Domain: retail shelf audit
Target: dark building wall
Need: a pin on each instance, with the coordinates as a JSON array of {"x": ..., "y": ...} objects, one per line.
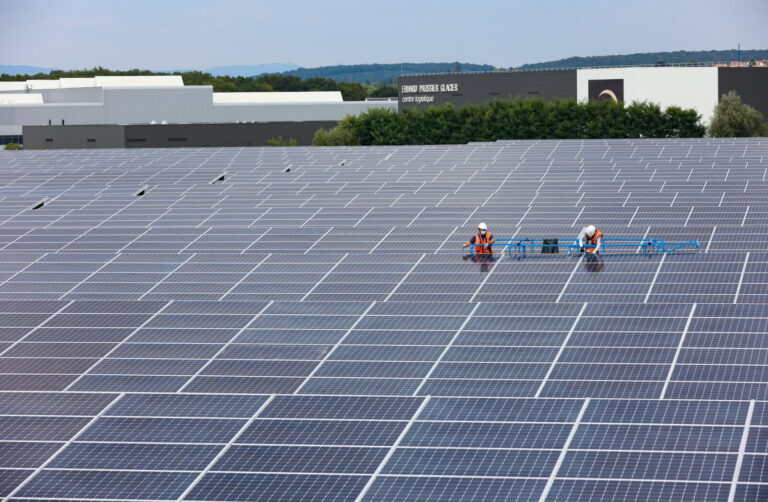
[
  {"x": 750, "y": 83},
  {"x": 169, "y": 135},
  {"x": 73, "y": 136},
  {"x": 177, "y": 135},
  {"x": 18, "y": 139},
  {"x": 461, "y": 89}
]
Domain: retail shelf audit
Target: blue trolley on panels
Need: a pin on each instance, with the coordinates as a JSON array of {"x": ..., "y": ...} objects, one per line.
[{"x": 643, "y": 246}]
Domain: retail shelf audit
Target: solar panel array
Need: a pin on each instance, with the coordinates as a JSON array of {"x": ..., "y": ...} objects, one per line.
[{"x": 252, "y": 324}]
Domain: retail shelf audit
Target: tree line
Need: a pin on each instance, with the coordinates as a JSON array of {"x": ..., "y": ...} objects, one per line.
[
  {"x": 350, "y": 91},
  {"x": 531, "y": 118},
  {"x": 649, "y": 58},
  {"x": 383, "y": 73}
]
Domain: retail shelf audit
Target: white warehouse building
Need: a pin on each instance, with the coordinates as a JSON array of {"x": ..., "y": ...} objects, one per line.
[{"x": 160, "y": 99}]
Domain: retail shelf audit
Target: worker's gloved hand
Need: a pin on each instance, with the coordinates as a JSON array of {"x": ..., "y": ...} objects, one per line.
[{"x": 581, "y": 250}]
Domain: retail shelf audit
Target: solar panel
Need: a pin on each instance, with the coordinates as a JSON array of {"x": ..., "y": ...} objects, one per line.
[{"x": 316, "y": 335}]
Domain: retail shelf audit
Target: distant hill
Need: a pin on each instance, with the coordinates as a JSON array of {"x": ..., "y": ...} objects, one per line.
[
  {"x": 388, "y": 73},
  {"x": 250, "y": 70},
  {"x": 216, "y": 71},
  {"x": 381, "y": 73},
  {"x": 650, "y": 58},
  {"x": 11, "y": 69}
]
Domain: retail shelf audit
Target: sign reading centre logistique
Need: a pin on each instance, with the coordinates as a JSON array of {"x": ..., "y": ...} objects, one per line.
[
  {"x": 425, "y": 92},
  {"x": 612, "y": 89}
]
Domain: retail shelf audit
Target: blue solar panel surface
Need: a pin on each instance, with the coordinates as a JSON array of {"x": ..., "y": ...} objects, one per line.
[{"x": 242, "y": 333}]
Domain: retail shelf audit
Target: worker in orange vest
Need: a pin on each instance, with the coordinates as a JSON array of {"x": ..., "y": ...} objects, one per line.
[
  {"x": 592, "y": 237},
  {"x": 483, "y": 240}
]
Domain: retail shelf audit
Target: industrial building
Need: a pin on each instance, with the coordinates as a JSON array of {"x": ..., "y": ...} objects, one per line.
[
  {"x": 163, "y": 100},
  {"x": 696, "y": 87}
]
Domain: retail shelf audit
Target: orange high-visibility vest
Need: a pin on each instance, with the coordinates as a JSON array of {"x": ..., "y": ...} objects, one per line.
[
  {"x": 481, "y": 240},
  {"x": 593, "y": 240}
]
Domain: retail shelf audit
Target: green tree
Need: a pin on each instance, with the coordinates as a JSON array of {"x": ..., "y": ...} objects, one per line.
[
  {"x": 380, "y": 126},
  {"x": 680, "y": 123},
  {"x": 384, "y": 91},
  {"x": 352, "y": 91},
  {"x": 645, "y": 120},
  {"x": 443, "y": 125},
  {"x": 223, "y": 85},
  {"x": 279, "y": 141},
  {"x": 320, "y": 84},
  {"x": 338, "y": 136},
  {"x": 282, "y": 83},
  {"x": 474, "y": 123},
  {"x": 519, "y": 119},
  {"x": 196, "y": 78},
  {"x": 564, "y": 119},
  {"x": 252, "y": 85},
  {"x": 13, "y": 146},
  {"x": 732, "y": 118}
]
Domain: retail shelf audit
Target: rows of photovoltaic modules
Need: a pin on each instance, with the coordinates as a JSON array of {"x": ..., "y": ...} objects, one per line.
[{"x": 241, "y": 332}]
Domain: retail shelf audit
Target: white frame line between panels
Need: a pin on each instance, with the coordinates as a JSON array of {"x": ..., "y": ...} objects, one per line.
[
  {"x": 257, "y": 239},
  {"x": 113, "y": 349},
  {"x": 226, "y": 448},
  {"x": 711, "y": 236},
  {"x": 570, "y": 277},
  {"x": 381, "y": 240},
  {"x": 40, "y": 325},
  {"x": 741, "y": 278},
  {"x": 318, "y": 240},
  {"x": 64, "y": 446},
  {"x": 324, "y": 277},
  {"x": 413, "y": 267},
  {"x": 333, "y": 349},
  {"x": 677, "y": 352},
  {"x": 742, "y": 451},
  {"x": 392, "y": 450},
  {"x": 240, "y": 281},
  {"x": 487, "y": 276},
  {"x": 445, "y": 350},
  {"x": 446, "y": 240},
  {"x": 655, "y": 276},
  {"x": 560, "y": 351},
  {"x": 169, "y": 274},
  {"x": 80, "y": 283},
  {"x": 224, "y": 347},
  {"x": 564, "y": 452}
]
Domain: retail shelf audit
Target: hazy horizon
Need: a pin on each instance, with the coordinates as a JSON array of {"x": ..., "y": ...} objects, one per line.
[{"x": 200, "y": 34}]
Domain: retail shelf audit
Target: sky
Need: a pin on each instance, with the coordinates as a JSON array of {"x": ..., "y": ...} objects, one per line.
[{"x": 198, "y": 34}]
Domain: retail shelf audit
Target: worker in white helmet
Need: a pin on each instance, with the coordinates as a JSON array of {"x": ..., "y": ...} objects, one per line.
[
  {"x": 483, "y": 241},
  {"x": 590, "y": 240}
]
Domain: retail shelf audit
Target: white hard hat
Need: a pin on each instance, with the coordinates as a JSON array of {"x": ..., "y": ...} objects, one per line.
[
  {"x": 590, "y": 230},
  {"x": 482, "y": 226}
]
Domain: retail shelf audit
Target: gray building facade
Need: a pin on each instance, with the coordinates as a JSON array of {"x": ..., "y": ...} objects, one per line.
[
  {"x": 750, "y": 83},
  {"x": 479, "y": 88},
  {"x": 168, "y": 135}
]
